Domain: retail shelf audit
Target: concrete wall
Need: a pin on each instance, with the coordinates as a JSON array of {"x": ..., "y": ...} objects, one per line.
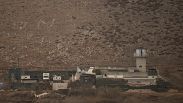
[
  {"x": 124, "y": 74},
  {"x": 141, "y": 64},
  {"x": 141, "y": 81},
  {"x": 28, "y": 81},
  {"x": 57, "y": 86}
]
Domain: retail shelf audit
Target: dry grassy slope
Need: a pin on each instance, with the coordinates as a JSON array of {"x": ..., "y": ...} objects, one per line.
[{"x": 57, "y": 33}]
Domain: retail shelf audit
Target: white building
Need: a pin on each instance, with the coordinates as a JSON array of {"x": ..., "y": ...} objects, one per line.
[{"x": 137, "y": 75}]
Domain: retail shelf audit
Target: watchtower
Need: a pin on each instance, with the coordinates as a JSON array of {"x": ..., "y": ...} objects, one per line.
[{"x": 140, "y": 55}]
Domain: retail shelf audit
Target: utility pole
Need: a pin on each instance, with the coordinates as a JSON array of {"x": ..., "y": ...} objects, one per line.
[{"x": 18, "y": 62}]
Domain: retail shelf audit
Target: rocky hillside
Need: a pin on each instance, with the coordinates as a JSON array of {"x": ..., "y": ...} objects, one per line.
[{"x": 62, "y": 33}]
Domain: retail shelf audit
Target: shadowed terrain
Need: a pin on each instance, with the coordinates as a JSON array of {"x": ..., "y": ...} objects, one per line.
[{"x": 28, "y": 97}]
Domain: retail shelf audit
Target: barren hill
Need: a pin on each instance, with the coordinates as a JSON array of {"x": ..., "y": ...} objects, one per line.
[{"x": 60, "y": 33}]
